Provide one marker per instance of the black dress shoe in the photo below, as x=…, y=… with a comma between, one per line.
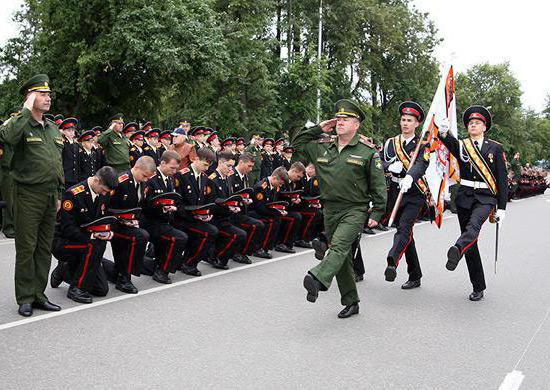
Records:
x=46, y=305
x=359, y=278
x=411, y=284
x=79, y=295
x=348, y=311
x=284, y=248
x=162, y=277
x=320, y=248
x=476, y=296
x=303, y=244
x=368, y=230
x=313, y=286
x=262, y=253
x=391, y=270
x=190, y=270
x=240, y=258
x=56, y=278
x=453, y=257
x=381, y=227
x=126, y=286
x=25, y=309
x=220, y=264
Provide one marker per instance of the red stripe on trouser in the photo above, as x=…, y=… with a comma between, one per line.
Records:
x=75, y=246
x=132, y=249
x=289, y=228
x=250, y=235
x=473, y=242
x=191, y=259
x=270, y=222
x=86, y=261
x=170, y=251
x=233, y=237
x=310, y=220
x=410, y=237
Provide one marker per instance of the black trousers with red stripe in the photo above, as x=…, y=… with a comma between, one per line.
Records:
x=254, y=229
x=312, y=224
x=201, y=243
x=471, y=220
x=129, y=245
x=403, y=241
x=290, y=225
x=271, y=230
x=231, y=239
x=81, y=266
x=169, y=243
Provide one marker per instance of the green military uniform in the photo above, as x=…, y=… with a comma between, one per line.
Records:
x=256, y=151
x=348, y=179
x=116, y=147
x=37, y=173
x=6, y=187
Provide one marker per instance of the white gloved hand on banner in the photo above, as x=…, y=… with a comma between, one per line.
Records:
x=396, y=167
x=406, y=183
x=500, y=215
x=444, y=127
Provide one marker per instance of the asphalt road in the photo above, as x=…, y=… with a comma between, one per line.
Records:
x=251, y=327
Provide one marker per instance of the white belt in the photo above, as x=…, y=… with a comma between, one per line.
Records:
x=473, y=184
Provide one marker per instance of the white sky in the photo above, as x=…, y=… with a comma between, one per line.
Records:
x=474, y=31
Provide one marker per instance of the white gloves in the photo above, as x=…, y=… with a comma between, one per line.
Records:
x=406, y=183
x=500, y=215
x=444, y=127
x=396, y=167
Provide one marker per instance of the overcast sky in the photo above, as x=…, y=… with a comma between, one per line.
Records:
x=474, y=31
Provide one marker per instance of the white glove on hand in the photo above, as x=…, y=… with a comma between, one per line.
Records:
x=396, y=167
x=444, y=127
x=500, y=215
x=406, y=183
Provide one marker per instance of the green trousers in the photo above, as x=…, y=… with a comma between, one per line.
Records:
x=34, y=217
x=342, y=226
x=7, y=196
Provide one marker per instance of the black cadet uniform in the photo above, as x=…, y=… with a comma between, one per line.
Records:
x=70, y=155
x=89, y=162
x=262, y=195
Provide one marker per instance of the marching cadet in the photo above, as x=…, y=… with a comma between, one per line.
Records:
x=291, y=222
x=115, y=145
x=231, y=239
x=192, y=185
x=483, y=187
x=186, y=150
x=129, y=241
x=265, y=193
x=152, y=146
x=239, y=183
x=136, y=150
x=255, y=149
x=266, y=166
x=350, y=176
x=398, y=152
x=70, y=152
x=157, y=216
x=81, y=237
x=36, y=172
x=89, y=159
x=165, y=139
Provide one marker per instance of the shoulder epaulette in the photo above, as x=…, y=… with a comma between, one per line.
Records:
x=365, y=141
x=264, y=185
x=122, y=178
x=77, y=190
x=147, y=147
x=133, y=149
x=184, y=171
x=212, y=176
x=492, y=140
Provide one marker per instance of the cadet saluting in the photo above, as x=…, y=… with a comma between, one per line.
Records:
x=350, y=175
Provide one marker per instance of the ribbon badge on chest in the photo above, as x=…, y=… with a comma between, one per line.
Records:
x=490, y=157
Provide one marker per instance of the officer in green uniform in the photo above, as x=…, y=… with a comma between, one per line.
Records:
x=37, y=174
x=350, y=175
x=115, y=145
x=255, y=149
x=6, y=185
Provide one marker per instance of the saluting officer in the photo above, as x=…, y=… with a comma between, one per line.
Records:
x=483, y=187
x=350, y=175
x=115, y=145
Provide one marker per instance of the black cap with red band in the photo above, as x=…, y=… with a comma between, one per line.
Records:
x=477, y=112
x=412, y=108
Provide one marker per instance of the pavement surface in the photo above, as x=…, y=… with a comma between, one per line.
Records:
x=251, y=327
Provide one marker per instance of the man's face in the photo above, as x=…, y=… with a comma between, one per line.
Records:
x=201, y=165
x=42, y=101
x=245, y=167
x=240, y=148
x=408, y=124
x=141, y=175
x=153, y=141
x=202, y=138
x=276, y=182
x=295, y=175
x=69, y=133
x=186, y=127
x=169, y=168
x=310, y=170
x=268, y=148
x=88, y=145
x=226, y=166
x=346, y=126
x=287, y=155
x=166, y=142
x=98, y=187
x=476, y=128
x=117, y=126
x=138, y=142
x=279, y=148
x=178, y=139
x=215, y=143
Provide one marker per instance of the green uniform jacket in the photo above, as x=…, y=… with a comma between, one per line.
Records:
x=256, y=152
x=35, y=152
x=350, y=178
x=116, y=148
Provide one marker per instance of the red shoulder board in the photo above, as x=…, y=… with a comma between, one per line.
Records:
x=77, y=190
x=122, y=178
x=264, y=185
x=184, y=171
